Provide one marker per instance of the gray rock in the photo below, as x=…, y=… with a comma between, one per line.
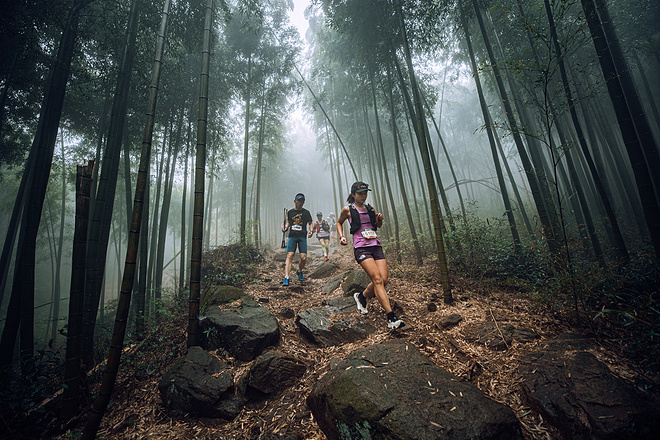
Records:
x=328, y=326
x=334, y=282
x=244, y=329
x=497, y=336
x=287, y=313
x=273, y=372
x=580, y=396
x=324, y=270
x=345, y=304
x=200, y=384
x=217, y=295
x=451, y=320
x=280, y=257
x=392, y=391
x=356, y=281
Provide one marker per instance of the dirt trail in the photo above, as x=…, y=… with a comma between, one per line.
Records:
x=137, y=411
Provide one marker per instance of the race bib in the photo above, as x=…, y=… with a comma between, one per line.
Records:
x=369, y=234
x=296, y=227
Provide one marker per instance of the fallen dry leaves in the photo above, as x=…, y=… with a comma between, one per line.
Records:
x=137, y=412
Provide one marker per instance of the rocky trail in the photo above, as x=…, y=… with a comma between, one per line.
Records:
x=558, y=382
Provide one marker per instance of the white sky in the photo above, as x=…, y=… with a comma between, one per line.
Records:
x=297, y=16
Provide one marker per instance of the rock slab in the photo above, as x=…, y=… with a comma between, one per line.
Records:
x=333, y=283
x=244, y=329
x=324, y=270
x=200, y=384
x=582, y=398
x=356, y=281
x=273, y=372
x=392, y=391
x=329, y=325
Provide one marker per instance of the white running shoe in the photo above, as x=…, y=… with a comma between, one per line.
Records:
x=394, y=323
x=360, y=306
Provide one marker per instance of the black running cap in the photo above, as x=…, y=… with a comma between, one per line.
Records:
x=359, y=187
x=300, y=196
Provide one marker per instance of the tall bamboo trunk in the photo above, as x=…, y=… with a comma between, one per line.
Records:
x=103, y=205
x=424, y=150
x=402, y=186
x=638, y=153
x=531, y=172
x=194, y=333
x=493, y=148
x=116, y=344
x=72, y=372
x=21, y=306
x=245, y=153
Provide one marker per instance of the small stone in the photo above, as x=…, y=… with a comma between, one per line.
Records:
x=432, y=307
x=451, y=320
x=287, y=313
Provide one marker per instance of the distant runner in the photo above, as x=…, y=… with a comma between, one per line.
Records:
x=365, y=221
x=297, y=219
x=322, y=229
x=332, y=221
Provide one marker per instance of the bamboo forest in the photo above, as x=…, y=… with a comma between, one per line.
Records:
x=330, y=219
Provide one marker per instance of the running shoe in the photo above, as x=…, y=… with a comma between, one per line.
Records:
x=393, y=322
x=301, y=277
x=361, y=304
x=286, y=281
x=326, y=258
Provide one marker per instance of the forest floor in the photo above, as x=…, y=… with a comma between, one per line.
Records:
x=137, y=412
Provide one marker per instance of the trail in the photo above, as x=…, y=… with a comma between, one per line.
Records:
x=137, y=411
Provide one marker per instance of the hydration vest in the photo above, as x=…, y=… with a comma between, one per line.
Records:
x=356, y=222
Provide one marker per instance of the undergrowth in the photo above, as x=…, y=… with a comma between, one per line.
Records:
x=231, y=265
x=619, y=301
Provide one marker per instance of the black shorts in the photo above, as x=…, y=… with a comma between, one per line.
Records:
x=362, y=253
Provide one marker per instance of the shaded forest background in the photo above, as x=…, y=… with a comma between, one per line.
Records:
x=507, y=142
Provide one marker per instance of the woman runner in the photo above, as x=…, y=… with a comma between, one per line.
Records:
x=367, y=249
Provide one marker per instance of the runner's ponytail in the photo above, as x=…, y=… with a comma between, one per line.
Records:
x=351, y=198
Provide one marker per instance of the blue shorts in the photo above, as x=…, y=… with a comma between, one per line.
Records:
x=299, y=242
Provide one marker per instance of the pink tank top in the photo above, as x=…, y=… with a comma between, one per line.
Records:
x=360, y=238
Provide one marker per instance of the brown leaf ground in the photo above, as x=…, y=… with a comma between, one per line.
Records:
x=136, y=411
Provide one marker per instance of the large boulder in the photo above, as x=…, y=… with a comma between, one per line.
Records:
x=244, y=329
x=273, y=372
x=356, y=281
x=330, y=325
x=326, y=269
x=392, y=391
x=581, y=397
x=200, y=384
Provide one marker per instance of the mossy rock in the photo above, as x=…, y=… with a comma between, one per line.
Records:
x=218, y=295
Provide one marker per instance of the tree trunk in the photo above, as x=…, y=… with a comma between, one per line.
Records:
x=530, y=171
x=493, y=147
x=424, y=150
x=103, y=205
x=642, y=153
x=72, y=363
x=194, y=332
x=43, y=143
x=406, y=205
x=58, y=268
x=114, y=354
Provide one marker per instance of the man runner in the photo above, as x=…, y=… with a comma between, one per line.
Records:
x=297, y=219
